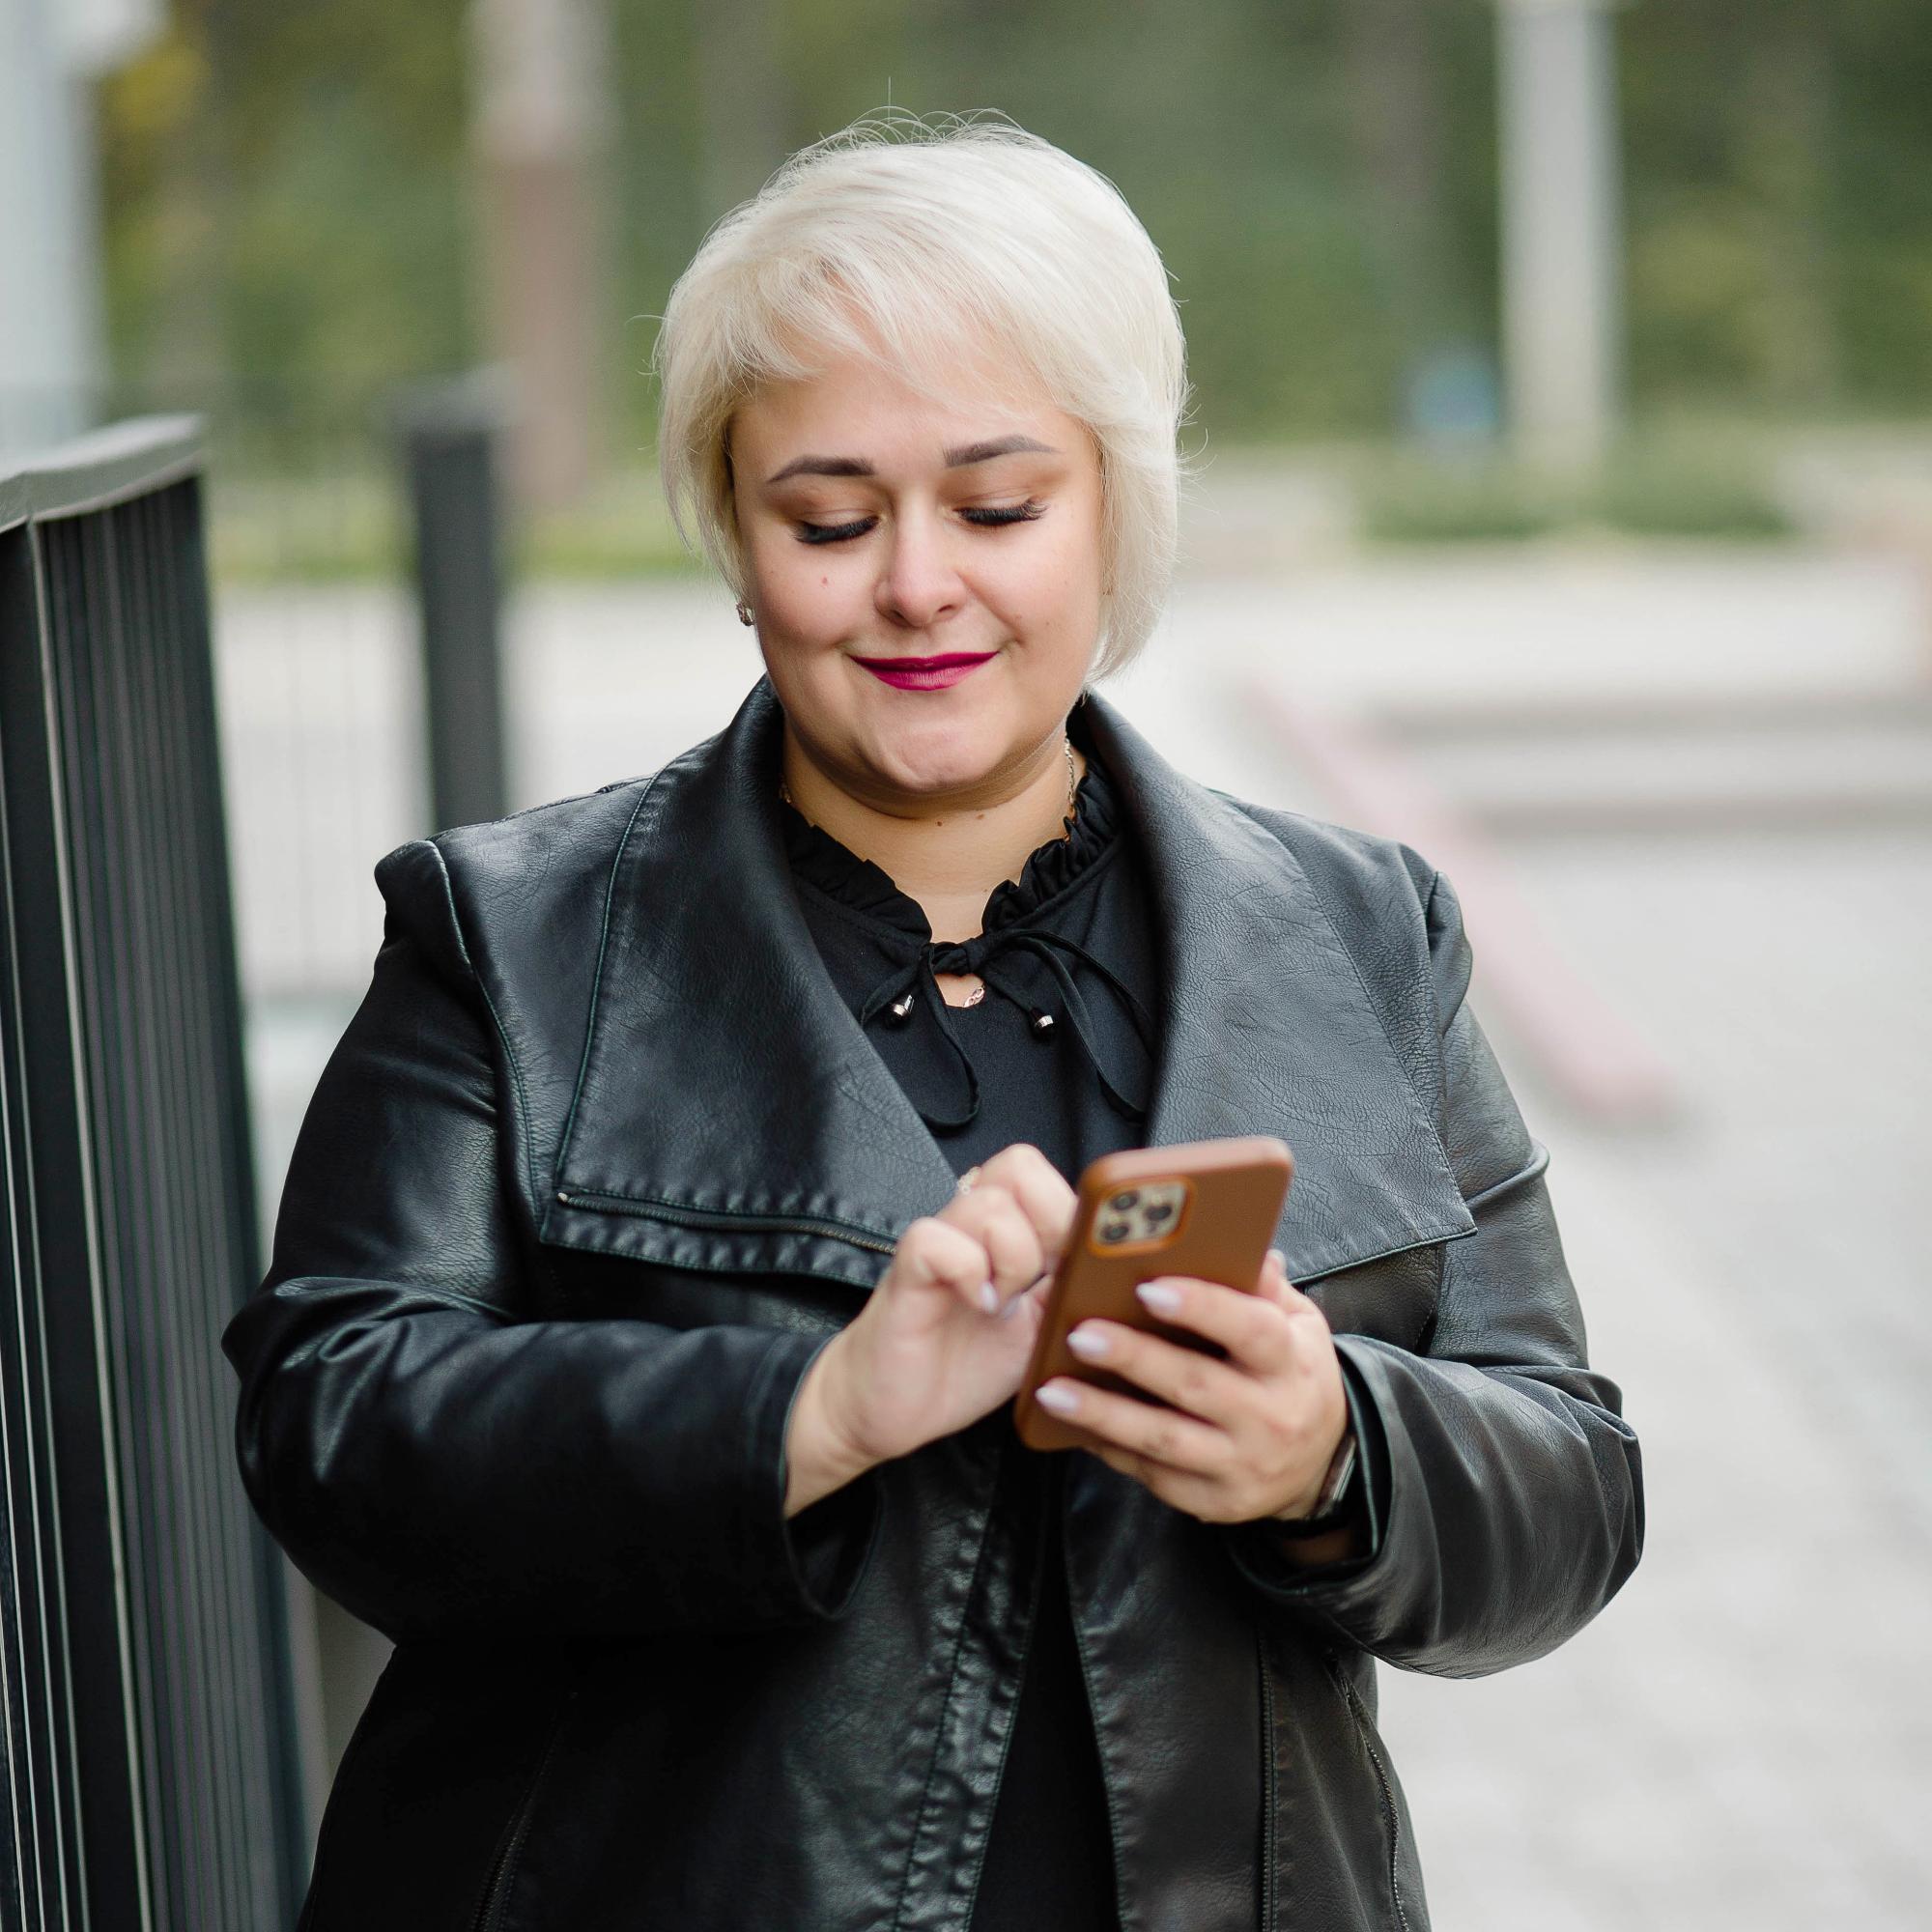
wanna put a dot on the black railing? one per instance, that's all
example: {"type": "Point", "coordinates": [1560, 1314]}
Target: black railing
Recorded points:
{"type": "Point", "coordinates": [150, 1759]}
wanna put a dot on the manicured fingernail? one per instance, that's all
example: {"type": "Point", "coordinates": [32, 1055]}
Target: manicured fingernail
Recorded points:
{"type": "Point", "coordinates": [1058, 1397]}
{"type": "Point", "coordinates": [1088, 1341]}
{"type": "Point", "coordinates": [1158, 1295]}
{"type": "Point", "coordinates": [989, 1298]}
{"type": "Point", "coordinates": [1279, 1259]}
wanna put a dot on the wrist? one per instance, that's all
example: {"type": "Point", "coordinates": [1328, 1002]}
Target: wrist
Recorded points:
{"type": "Point", "coordinates": [1329, 1509]}
{"type": "Point", "coordinates": [820, 1454]}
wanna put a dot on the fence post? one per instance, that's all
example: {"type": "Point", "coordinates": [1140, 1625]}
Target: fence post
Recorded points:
{"type": "Point", "coordinates": [451, 432]}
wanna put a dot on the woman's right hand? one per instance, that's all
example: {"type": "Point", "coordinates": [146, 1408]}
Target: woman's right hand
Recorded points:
{"type": "Point", "coordinates": [925, 1356]}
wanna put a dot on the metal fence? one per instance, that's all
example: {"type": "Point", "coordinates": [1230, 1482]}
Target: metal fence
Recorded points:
{"type": "Point", "coordinates": [149, 1764]}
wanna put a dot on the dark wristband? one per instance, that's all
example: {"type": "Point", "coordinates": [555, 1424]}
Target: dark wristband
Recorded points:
{"type": "Point", "coordinates": [1334, 1507]}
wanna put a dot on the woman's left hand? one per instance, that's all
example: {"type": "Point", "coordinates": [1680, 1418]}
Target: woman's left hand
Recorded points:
{"type": "Point", "coordinates": [1255, 1432]}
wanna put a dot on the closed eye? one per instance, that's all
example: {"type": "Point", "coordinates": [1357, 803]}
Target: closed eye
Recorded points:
{"type": "Point", "coordinates": [983, 519]}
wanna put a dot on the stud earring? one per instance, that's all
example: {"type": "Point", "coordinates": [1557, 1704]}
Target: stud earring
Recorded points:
{"type": "Point", "coordinates": [744, 611]}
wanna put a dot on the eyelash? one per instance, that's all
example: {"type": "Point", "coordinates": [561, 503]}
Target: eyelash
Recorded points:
{"type": "Point", "coordinates": [985, 520]}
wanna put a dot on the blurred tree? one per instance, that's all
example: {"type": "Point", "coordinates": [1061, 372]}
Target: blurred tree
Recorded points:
{"type": "Point", "coordinates": [540, 130]}
{"type": "Point", "coordinates": [1398, 74]}
{"type": "Point", "coordinates": [746, 106]}
{"type": "Point", "coordinates": [289, 203]}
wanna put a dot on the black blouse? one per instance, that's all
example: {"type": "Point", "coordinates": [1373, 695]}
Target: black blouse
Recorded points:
{"type": "Point", "coordinates": [1060, 1052]}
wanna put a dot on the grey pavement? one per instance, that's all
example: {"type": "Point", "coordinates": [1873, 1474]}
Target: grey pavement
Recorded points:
{"type": "Point", "coordinates": [1744, 1738]}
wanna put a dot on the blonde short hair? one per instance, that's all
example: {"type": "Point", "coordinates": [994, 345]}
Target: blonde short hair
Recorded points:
{"type": "Point", "coordinates": [955, 235]}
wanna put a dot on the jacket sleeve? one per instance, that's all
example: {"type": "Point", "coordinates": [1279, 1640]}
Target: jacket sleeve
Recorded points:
{"type": "Point", "coordinates": [1505, 1490]}
{"type": "Point", "coordinates": [431, 1455]}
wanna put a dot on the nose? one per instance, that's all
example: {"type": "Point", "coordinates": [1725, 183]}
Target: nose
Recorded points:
{"type": "Point", "coordinates": [920, 585]}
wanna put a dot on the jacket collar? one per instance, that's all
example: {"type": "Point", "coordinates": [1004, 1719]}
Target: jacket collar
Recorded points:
{"type": "Point", "coordinates": [729, 1113]}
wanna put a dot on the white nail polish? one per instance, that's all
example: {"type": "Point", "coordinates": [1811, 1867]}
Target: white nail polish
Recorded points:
{"type": "Point", "coordinates": [1085, 1342]}
{"type": "Point", "coordinates": [1054, 1396]}
{"type": "Point", "coordinates": [1158, 1296]}
{"type": "Point", "coordinates": [989, 1298]}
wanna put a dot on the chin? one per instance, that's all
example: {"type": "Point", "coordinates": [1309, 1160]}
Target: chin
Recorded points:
{"type": "Point", "coordinates": [926, 777]}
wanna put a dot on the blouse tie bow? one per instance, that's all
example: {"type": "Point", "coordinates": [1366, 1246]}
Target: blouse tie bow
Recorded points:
{"type": "Point", "coordinates": [979, 955]}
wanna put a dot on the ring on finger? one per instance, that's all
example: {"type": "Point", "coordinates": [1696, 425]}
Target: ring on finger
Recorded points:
{"type": "Point", "coordinates": [967, 1180]}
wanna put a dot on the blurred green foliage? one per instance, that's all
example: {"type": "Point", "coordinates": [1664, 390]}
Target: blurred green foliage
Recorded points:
{"type": "Point", "coordinates": [1654, 484]}
{"type": "Point", "coordinates": [291, 214]}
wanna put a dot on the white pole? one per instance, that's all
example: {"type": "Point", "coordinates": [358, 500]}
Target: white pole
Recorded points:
{"type": "Point", "coordinates": [1561, 228]}
{"type": "Point", "coordinates": [52, 343]}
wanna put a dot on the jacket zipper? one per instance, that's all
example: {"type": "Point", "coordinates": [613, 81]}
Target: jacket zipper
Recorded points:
{"type": "Point", "coordinates": [1269, 1793]}
{"type": "Point", "coordinates": [496, 1894]}
{"type": "Point", "coordinates": [1367, 1733]}
{"type": "Point", "coordinates": [695, 1217]}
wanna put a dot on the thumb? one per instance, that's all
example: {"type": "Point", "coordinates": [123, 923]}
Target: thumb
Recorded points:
{"type": "Point", "coordinates": [1276, 1284]}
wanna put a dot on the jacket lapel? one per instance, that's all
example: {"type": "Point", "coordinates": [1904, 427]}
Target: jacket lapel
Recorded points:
{"type": "Point", "coordinates": [730, 1114]}
{"type": "Point", "coordinates": [1267, 1026]}
{"type": "Point", "coordinates": [726, 1088]}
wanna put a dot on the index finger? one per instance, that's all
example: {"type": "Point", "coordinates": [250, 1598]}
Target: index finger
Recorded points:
{"type": "Point", "coordinates": [1040, 1189]}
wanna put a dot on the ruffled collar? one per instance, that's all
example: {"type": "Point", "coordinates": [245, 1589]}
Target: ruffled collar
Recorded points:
{"type": "Point", "coordinates": [863, 887]}
{"type": "Point", "coordinates": [1022, 938]}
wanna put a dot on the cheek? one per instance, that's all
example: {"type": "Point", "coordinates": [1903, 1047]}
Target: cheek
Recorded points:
{"type": "Point", "coordinates": [802, 593]}
{"type": "Point", "coordinates": [1057, 586]}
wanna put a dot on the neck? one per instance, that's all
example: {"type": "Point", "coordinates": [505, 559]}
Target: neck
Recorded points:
{"type": "Point", "coordinates": [946, 856]}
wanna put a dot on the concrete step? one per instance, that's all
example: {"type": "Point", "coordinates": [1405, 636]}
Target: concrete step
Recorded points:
{"type": "Point", "coordinates": [1784, 774]}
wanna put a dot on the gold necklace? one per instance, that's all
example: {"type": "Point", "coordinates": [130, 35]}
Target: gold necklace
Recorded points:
{"type": "Point", "coordinates": [1072, 780]}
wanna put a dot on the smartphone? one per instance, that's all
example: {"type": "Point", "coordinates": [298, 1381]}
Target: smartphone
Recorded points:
{"type": "Point", "coordinates": [1207, 1208]}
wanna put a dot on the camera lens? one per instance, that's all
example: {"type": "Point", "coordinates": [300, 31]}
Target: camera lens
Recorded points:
{"type": "Point", "coordinates": [1158, 1211]}
{"type": "Point", "coordinates": [1120, 1203]}
{"type": "Point", "coordinates": [1114, 1231]}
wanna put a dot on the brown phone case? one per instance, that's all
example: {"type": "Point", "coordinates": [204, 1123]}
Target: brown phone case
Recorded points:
{"type": "Point", "coordinates": [1226, 1199]}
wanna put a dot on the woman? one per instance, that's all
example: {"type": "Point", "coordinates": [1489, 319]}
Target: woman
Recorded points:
{"type": "Point", "coordinates": [669, 1230]}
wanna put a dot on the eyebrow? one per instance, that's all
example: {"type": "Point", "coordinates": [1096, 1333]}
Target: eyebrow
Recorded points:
{"type": "Point", "coordinates": [955, 459]}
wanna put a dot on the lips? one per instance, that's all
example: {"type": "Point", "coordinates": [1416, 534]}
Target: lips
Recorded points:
{"type": "Point", "coordinates": [934, 673]}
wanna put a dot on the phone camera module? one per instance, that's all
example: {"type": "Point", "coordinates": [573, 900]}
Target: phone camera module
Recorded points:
{"type": "Point", "coordinates": [1146, 1215]}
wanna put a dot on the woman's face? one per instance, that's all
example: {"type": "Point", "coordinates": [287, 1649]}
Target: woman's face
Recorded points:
{"type": "Point", "coordinates": [883, 531]}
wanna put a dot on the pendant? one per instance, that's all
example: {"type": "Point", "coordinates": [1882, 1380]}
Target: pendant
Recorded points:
{"type": "Point", "coordinates": [977, 994]}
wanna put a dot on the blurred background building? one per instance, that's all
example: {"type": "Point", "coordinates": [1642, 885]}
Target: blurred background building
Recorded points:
{"type": "Point", "coordinates": [1563, 376]}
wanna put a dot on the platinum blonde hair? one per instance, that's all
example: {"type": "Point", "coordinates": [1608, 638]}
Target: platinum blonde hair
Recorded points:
{"type": "Point", "coordinates": [919, 246]}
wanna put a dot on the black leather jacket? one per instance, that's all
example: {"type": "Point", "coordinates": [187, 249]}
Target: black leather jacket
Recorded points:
{"type": "Point", "coordinates": [591, 1176]}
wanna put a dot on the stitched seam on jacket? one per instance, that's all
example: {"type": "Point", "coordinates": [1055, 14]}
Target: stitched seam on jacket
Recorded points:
{"type": "Point", "coordinates": [719, 1268]}
{"type": "Point", "coordinates": [945, 1711]}
{"type": "Point", "coordinates": [597, 979]}
{"type": "Point", "coordinates": [1537, 1163]}
{"type": "Point", "coordinates": [524, 1128]}
{"type": "Point", "coordinates": [753, 1218]}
